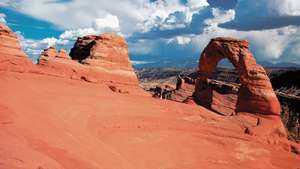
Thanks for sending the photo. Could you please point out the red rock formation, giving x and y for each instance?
(109, 51)
(185, 87)
(55, 122)
(62, 54)
(107, 68)
(9, 44)
(256, 94)
(51, 53)
(11, 55)
(52, 122)
(56, 63)
(106, 53)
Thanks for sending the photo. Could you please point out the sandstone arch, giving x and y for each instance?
(255, 95)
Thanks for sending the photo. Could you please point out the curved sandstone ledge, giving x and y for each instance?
(71, 69)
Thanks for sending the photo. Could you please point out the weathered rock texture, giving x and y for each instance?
(185, 87)
(9, 44)
(257, 106)
(51, 52)
(110, 71)
(96, 59)
(50, 121)
(11, 53)
(256, 94)
(109, 51)
(106, 57)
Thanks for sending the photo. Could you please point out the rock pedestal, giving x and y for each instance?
(109, 51)
(105, 54)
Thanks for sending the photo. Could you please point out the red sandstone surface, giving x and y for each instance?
(256, 94)
(61, 114)
(109, 51)
(10, 51)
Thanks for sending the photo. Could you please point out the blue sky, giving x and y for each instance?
(159, 30)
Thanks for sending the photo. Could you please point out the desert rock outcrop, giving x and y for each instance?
(11, 55)
(48, 120)
(9, 44)
(106, 53)
(257, 106)
(109, 51)
(256, 94)
(51, 52)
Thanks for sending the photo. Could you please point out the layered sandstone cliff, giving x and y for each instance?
(11, 55)
(9, 44)
(96, 59)
(51, 53)
(109, 51)
(105, 53)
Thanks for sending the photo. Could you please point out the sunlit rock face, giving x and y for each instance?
(256, 94)
(65, 114)
(50, 53)
(109, 51)
(9, 43)
(11, 55)
(106, 53)
(256, 104)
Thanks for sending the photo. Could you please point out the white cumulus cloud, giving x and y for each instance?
(108, 23)
(2, 18)
(271, 26)
(269, 45)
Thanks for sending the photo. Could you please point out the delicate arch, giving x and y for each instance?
(255, 95)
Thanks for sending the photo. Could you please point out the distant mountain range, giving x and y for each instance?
(192, 62)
